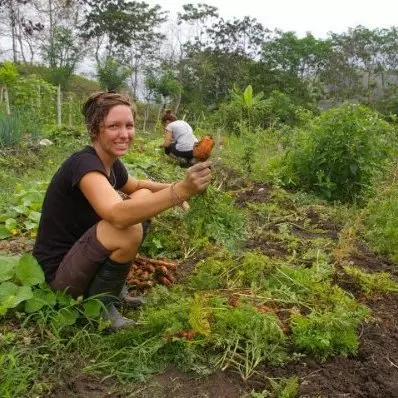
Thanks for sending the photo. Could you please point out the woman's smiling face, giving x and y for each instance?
(117, 131)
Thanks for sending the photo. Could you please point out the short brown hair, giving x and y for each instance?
(168, 116)
(97, 107)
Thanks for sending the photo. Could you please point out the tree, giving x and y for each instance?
(21, 28)
(112, 75)
(164, 86)
(217, 56)
(8, 76)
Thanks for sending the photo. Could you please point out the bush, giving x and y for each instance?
(18, 127)
(339, 153)
(262, 113)
(381, 219)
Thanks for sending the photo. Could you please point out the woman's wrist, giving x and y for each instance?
(179, 193)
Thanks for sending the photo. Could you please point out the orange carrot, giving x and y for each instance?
(165, 281)
(154, 261)
(162, 269)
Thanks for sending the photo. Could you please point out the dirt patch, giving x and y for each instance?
(317, 219)
(270, 248)
(372, 373)
(17, 245)
(187, 267)
(303, 233)
(369, 261)
(257, 193)
(176, 384)
(84, 386)
(229, 179)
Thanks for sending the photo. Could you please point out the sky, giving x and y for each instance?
(317, 16)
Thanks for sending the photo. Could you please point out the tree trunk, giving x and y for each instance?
(13, 31)
(178, 102)
(158, 118)
(146, 114)
(51, 20)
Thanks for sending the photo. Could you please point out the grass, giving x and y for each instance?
(246, 306)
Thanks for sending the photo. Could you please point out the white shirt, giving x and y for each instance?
(182, 135)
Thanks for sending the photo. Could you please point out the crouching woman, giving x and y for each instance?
(88, 235)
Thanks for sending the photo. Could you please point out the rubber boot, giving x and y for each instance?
(110, 279)
(124, 296)
(130, 301)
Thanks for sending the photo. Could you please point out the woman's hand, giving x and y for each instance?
(196, 180)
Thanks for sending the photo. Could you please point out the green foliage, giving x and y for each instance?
(28, 272)
(11, 130)
(254, 269)
(67, 136)
(8, 74)
(279, 388)
(371, 283)
(164, 86)
(212, 274)
(112, 74)
(247, 338)
(252, 153)
(37, 99)
(253, 111)
(327, 333)
(23, 216)
(80, 86)
(213, 216)
(337, 155)
(27, 96)
(22, 282)
(381, 218)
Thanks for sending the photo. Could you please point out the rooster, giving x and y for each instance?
(203, 148)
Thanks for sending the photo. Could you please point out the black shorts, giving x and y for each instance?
(181, 154)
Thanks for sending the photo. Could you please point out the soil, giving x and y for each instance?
(372, 373)
(18, 245)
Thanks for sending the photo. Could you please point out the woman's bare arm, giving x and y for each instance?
(133, 185)
(121, 214)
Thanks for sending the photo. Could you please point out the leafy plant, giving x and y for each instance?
(213, 216)
(338, 154)
(11, 130)
(326, 333)
(370, 283)
(279, 388)
(247, 338)
(24, 215)
(22, 282)
(380, 218)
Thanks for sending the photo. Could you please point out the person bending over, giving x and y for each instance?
(179, 139)
(88, 235)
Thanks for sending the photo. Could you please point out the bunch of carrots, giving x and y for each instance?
(145, 272)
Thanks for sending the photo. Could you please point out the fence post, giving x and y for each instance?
(39, 98)
(4, 94)
(59, 107)
(70, 110)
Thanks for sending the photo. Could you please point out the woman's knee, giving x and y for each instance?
(127, 239)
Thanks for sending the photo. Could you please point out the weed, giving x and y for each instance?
(247, 338)
(212, 215)
(380, 221)
(370, 283)
(279, 388)
(340, 152)
(325, 333)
